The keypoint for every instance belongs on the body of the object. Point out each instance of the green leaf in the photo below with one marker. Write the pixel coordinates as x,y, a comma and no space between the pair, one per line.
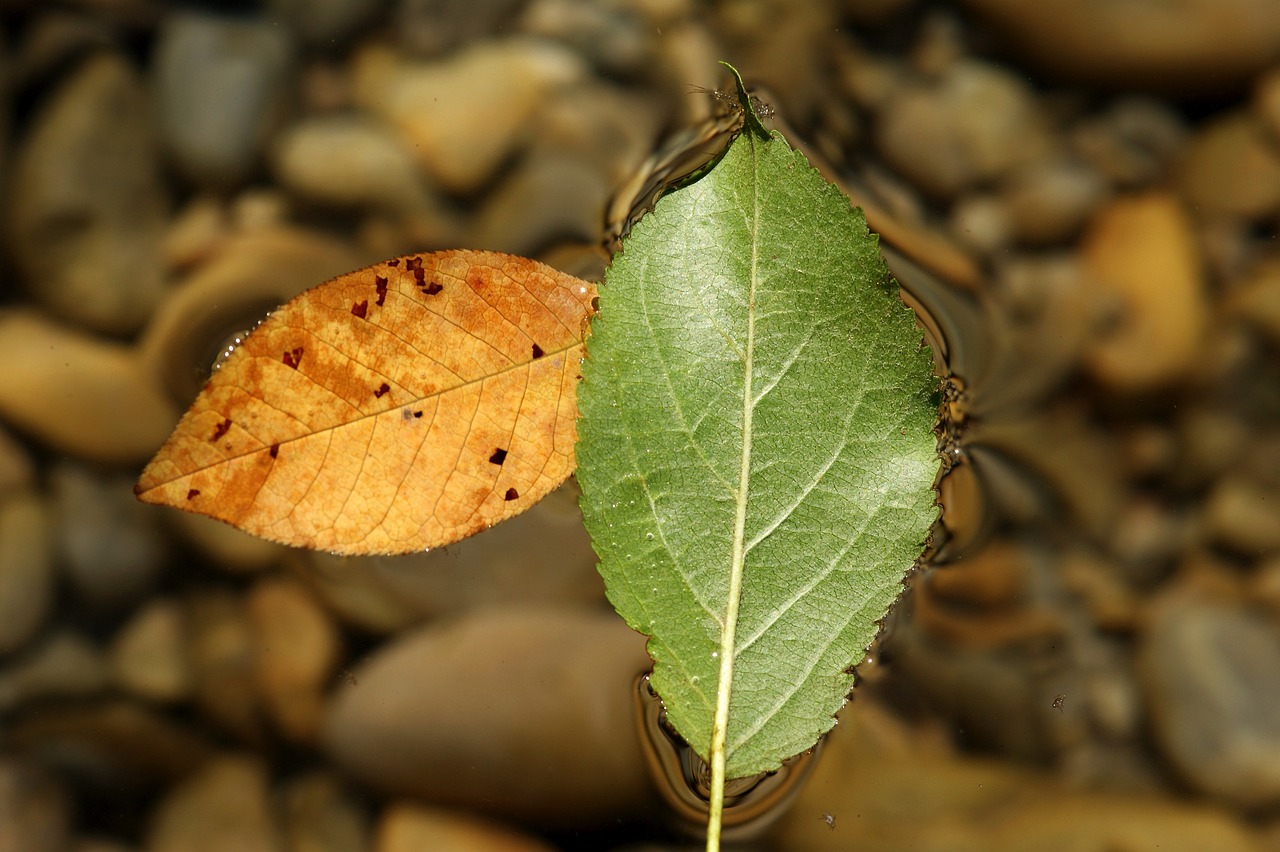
755,449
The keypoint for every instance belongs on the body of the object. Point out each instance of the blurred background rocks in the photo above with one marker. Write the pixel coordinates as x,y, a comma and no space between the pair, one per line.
1081,201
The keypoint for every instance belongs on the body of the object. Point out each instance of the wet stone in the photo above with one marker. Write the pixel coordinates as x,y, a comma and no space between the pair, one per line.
35,813
26,568
86,206
977,123
110,545
408,828
149,654
1210,670
321,815
462,116
538,726
221,85
86,397
63,666
224,806
1232,168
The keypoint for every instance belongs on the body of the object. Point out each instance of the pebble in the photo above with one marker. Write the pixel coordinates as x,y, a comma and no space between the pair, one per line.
27,579
65,665
509,564
1232,168
251,273
348,160
109,743
225,806
464,115
78,395
86,203
17,470
297,652
976,123
221,90
1266,102
405,827
222,653
1185,48
1243,515
433,27
323,23
223,545
35,812
538,726
1210,670
1140,255
322,815
109,545
1048,202
149,654
544,199
884,785
1132,142
1257,299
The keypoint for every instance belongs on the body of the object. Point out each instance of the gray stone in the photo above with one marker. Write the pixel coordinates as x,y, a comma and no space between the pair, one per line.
1210,670
523,714
87,207
221,84
26,568
64,666
110,545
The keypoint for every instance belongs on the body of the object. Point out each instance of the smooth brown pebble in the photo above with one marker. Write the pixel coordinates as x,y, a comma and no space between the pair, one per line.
1210,672
884,789
223,660
149,654
1140,253
524,714
110,546
89,398
27,578
322,815
224,807
1232,168
1244,516
87,205
65,665
35,812
409,828
1188,47
17,469
297,650
978,122
463,115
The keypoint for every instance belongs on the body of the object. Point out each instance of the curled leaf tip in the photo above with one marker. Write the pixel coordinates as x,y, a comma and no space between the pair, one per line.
752,107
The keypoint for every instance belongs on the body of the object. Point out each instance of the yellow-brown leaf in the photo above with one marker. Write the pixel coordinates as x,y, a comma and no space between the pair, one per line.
399,407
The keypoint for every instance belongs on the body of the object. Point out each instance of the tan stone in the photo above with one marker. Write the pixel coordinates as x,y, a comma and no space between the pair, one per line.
410,828
1141,255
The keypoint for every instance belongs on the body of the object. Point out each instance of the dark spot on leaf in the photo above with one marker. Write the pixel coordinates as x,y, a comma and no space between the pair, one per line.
433,288
417,414
537,351
511,494
220,430
293,357
275,450
360,308
414,265
498,457
395,262
193,494
380,284
383,390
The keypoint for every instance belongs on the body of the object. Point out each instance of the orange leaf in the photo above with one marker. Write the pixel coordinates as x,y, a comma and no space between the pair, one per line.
399,407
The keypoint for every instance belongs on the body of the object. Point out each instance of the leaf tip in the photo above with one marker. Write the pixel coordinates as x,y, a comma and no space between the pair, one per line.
751,106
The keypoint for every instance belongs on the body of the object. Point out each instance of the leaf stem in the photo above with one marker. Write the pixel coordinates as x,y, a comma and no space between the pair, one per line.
728,633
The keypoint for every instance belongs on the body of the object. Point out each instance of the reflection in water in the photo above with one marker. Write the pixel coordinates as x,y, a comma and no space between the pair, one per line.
682,778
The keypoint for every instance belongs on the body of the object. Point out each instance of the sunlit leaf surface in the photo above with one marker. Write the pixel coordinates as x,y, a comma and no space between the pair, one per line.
399,407
756,449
